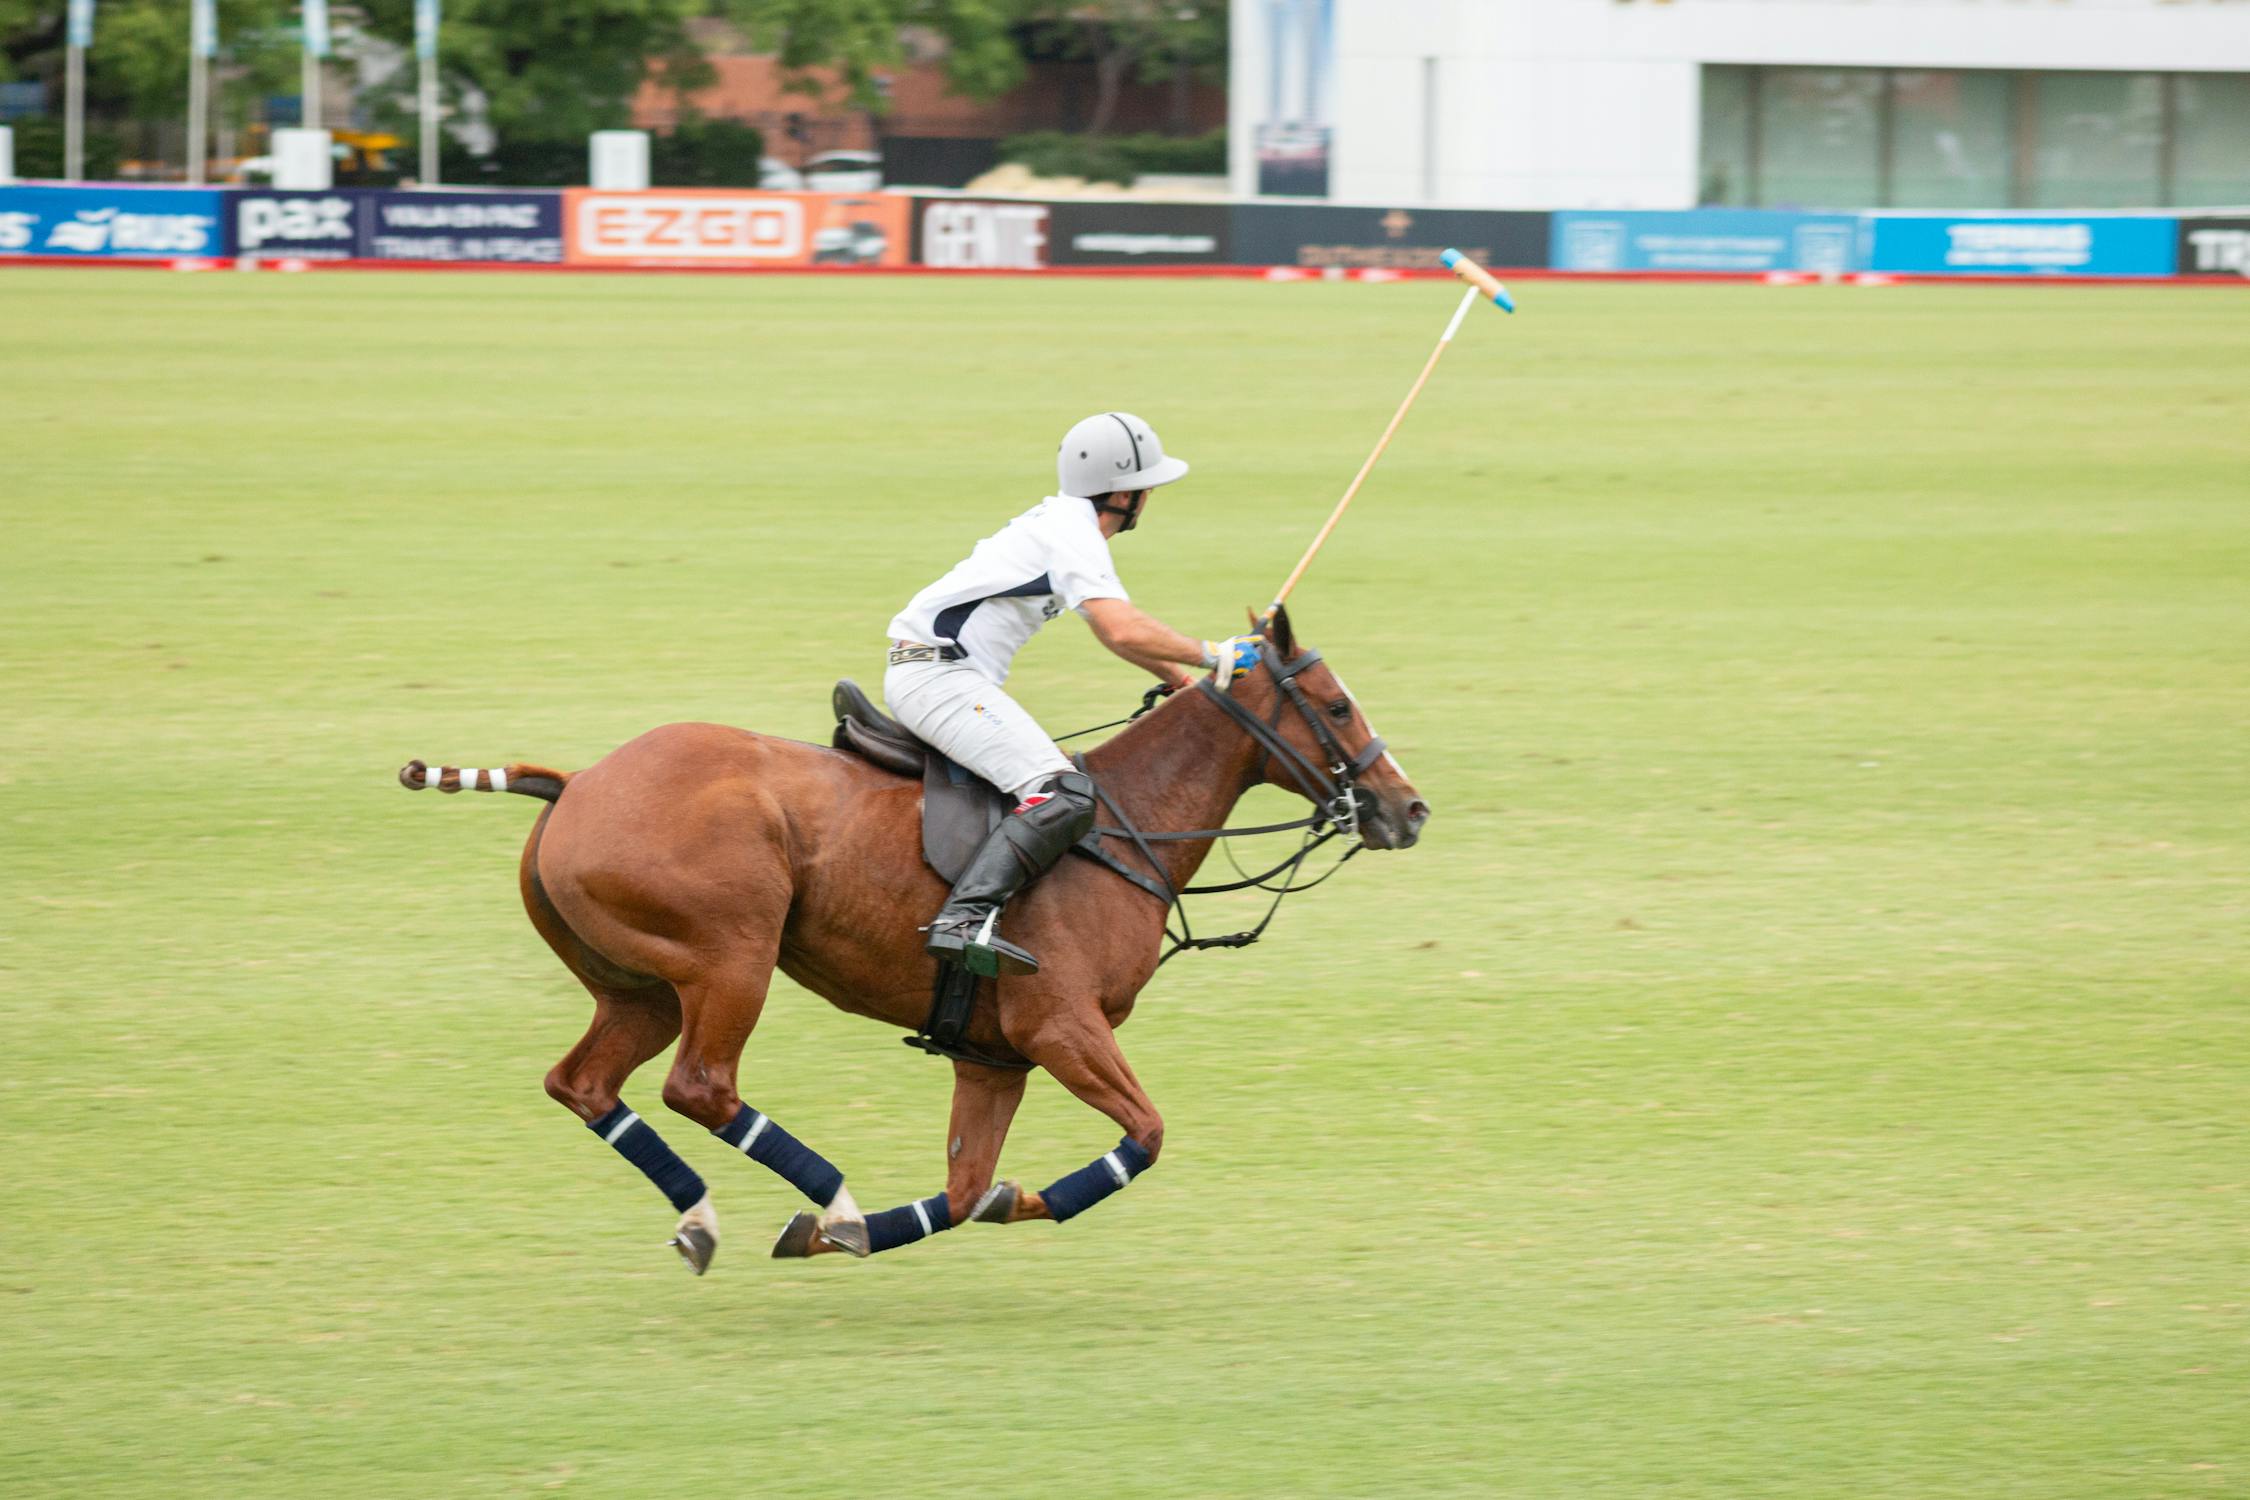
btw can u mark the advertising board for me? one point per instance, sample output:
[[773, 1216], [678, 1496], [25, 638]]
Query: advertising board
[[113, 222], [2215, 245], [1289, 46], [2024, 244], [523, 228], [718, 228], [1096, 232], [1407, 239], [1704, 239], [973, 234], [298, 226]]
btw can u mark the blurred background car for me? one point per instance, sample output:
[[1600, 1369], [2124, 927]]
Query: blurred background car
[[844, 172]]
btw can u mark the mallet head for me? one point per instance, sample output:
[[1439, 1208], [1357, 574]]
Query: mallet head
[[1478, 277]]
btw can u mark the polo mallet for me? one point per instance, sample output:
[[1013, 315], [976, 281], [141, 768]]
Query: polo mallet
[[1482, 283]]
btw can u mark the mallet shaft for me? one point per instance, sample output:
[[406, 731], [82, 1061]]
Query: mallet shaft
[[1482, 284], [1468, 300]]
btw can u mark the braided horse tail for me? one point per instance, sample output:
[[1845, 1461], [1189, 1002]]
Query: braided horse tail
[[528, 780]]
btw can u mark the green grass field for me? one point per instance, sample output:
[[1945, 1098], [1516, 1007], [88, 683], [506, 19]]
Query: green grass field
[[1806, 1057]]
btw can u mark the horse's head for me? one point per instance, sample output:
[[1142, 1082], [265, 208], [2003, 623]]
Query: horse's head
[[1334, 756]]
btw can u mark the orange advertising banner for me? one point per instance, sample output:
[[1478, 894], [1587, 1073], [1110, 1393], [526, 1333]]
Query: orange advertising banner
[[705, 227]]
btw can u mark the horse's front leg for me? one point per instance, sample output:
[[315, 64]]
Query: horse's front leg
[[984, 1105], [1076, 1043]]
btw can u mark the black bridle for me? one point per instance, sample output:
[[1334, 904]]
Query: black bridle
[[1335, 789], [1332, 787]]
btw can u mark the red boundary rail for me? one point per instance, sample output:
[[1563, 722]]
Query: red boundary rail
[[1198, 272]]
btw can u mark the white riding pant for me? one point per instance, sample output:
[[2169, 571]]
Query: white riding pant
[[953, 706]]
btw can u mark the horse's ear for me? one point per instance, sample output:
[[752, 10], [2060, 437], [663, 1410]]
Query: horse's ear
[[1283, 636]]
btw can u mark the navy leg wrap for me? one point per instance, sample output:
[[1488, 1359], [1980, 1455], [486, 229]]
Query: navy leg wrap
[[1068, 1197], [894, 1227], [639, 1144], [765, 1142]]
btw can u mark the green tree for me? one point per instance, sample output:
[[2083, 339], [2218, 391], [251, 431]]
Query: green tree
[[861, 39], [139, 61], [1152, 40], [985, 40], [31, 38], [553, 69]]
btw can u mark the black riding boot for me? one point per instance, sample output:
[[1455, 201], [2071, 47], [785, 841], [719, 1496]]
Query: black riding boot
[[1024, 847]]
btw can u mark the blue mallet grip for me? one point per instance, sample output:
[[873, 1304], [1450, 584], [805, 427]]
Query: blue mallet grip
[[1478, 277]]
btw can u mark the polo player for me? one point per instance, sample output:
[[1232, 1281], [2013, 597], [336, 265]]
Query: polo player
[[952, 645]]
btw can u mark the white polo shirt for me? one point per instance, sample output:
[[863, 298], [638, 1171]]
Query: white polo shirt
[[1051, 558]]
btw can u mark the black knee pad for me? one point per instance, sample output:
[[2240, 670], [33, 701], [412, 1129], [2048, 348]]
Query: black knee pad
[[1044, 832]]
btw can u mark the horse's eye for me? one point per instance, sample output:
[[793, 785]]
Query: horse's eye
[[1340, 709]]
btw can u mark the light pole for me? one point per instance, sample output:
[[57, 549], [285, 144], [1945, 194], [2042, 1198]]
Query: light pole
[[316, 48], [79, 35], [425, 49], [203, 41]]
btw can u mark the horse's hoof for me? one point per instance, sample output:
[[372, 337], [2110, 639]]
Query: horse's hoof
[[696, 1246], [997, 1206], [847, 1235], [797, 1237]]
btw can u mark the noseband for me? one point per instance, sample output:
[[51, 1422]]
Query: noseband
[[1334, 789]]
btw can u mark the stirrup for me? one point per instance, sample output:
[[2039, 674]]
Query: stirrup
[[974, 946]]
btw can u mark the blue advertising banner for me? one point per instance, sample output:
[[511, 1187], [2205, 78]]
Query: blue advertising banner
[[515, 228], [1704, 239], [2025, 244], [299, 226], [109, 222]]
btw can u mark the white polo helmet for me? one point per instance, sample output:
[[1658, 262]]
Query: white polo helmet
[[1112, 454]]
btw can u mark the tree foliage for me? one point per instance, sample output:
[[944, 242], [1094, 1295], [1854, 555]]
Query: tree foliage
[[1151, 40], [985, 39], [554, 68], [861, 39], [139, 62]]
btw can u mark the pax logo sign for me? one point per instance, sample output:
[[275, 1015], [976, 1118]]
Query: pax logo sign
[[686, 228], [308, 223]]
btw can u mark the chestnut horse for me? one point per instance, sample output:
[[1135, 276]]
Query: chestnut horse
[[673, 875]]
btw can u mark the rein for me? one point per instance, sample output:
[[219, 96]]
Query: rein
[[1334, 794]]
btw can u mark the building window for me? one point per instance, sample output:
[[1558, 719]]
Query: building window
[[1727, 167], [1821, 129], [1937, 138], [1951, 141], [2210, 138], [2097, 140]]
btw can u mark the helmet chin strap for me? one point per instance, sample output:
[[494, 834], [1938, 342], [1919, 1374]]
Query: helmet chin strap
[[1131, 513]]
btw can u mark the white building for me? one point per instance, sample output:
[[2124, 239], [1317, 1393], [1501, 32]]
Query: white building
[[1775, 103]]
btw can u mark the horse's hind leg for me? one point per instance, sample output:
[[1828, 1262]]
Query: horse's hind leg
[[717, 1014], [629, 1028], [1076, 1044]]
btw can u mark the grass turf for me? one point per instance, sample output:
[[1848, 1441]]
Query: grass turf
[[1806, 1056]]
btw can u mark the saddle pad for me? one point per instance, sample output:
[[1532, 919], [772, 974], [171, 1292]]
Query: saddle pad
[[959, 810]]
